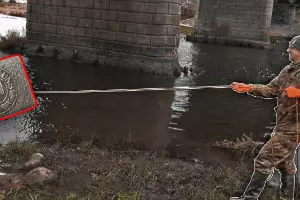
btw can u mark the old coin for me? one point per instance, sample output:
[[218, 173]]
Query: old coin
[[15, 90]]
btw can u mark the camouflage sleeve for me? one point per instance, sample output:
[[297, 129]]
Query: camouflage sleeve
[[269, 91]]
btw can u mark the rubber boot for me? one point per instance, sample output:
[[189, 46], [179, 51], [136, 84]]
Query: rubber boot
[[254, 188], [287, 186]]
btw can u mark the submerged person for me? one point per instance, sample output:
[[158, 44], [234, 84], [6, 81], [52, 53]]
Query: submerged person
[[279, 151]]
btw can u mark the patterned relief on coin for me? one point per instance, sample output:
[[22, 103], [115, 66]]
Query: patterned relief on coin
[[8, 94]]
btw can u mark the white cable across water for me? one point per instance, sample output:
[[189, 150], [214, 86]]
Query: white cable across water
[[134, 90]]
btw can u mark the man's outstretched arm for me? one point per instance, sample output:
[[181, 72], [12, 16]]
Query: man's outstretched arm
[[269, 91]]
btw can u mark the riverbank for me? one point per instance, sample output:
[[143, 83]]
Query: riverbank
[[13, 9], [13, 42], [87, 171]]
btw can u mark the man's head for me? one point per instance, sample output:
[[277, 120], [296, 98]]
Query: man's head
[[294, 49]]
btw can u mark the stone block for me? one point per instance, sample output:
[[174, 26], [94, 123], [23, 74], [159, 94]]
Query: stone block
[[109, 15], [57, 20], [79, 3], [85, 22], [159, 41], [124, 47], [123, 16], [46, 19], [89, 33], [63, 39], [140, 18], [174, 9], [51, 10], [86, 4], [33, 17], [172, 41], [37, 27], [117, 5], [78, 12], [37, 9], [93, 14], [70, 21], [48, 28], [116, 26], [166, 19], [84, 42], [156, 8], [153, 51], [56, 2], [135, 7], [173, 30], [100, 24], [133, 38], [101, 4], [64, 30], [64, 11], [46, 3], [134, 28], [107, 35], [77, 31], [99, 44], [155, 29], [37, 36]]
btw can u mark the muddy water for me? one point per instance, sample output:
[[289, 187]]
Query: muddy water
[[182, 121]]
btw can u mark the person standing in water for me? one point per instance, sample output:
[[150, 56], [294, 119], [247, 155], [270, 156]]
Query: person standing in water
[[279, 151]]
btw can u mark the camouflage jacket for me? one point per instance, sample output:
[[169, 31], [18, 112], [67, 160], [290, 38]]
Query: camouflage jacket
[[286, 107]]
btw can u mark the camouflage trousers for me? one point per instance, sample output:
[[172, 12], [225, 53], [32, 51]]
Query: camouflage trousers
[[278, 152]]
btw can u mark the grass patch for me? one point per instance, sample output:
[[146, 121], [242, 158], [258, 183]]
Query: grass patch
[[86, 172], [243, 147], [12, 40], [18, 151]]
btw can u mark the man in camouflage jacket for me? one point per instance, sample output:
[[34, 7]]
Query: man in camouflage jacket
[[279, 151]]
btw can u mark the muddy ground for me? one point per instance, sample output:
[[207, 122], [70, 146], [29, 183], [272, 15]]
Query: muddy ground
[[86, 171]]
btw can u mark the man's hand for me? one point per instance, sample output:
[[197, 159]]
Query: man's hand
[[292, 92], [240, 87]]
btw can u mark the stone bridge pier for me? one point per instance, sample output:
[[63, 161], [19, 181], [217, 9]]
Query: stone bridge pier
[[237, 22], [136, 34]]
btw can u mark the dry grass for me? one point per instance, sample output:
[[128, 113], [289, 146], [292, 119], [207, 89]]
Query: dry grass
[[244, 146], [12, 40], [18, 10], [86, 172]]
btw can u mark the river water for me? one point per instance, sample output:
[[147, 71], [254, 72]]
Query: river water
[[184, 122]]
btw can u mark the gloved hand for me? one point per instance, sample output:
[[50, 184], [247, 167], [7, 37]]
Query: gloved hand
[[240, 87], [292, 92]]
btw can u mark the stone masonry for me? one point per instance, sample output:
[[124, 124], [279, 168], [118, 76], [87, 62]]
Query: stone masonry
[[137, 34], [237, 22]]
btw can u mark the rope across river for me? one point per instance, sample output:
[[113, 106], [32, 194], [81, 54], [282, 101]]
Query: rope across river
[[134, 90]]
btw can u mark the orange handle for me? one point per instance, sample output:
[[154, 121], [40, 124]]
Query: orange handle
[[240, 87]]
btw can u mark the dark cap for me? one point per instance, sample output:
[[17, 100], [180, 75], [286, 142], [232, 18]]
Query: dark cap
[[295, 42]]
